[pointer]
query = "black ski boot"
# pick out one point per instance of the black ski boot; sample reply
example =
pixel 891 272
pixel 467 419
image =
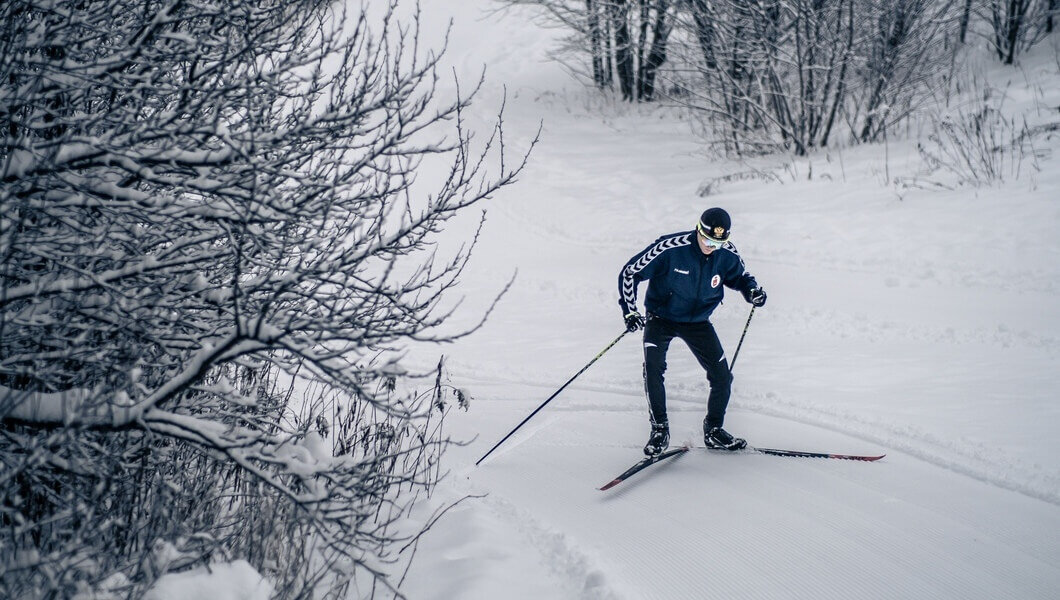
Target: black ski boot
pixel 659 440
pixel 719 439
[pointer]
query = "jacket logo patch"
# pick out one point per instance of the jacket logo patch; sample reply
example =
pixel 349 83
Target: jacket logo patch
pixel 715 281
pixel 683 272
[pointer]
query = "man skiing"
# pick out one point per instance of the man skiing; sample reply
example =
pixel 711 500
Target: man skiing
pixel 686 274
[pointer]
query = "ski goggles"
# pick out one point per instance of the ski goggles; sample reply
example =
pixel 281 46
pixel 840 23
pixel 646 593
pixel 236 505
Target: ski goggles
pixel 708 239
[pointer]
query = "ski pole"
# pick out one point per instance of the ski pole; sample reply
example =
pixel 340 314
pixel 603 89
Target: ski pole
pixel 556 393
pixel 746 325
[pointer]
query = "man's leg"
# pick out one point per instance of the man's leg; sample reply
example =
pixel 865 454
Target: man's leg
pixel 657 336
pixel 706 347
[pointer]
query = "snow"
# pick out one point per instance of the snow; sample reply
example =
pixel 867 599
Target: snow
pixel 904 318
pixel 236 580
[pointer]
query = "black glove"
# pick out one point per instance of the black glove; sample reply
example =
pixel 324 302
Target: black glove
pixel 634 321
pixel 756 296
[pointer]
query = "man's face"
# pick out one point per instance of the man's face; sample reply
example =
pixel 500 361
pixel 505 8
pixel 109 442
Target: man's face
pixel 707 245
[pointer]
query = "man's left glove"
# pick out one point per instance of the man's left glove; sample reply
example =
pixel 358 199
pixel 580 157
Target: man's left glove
pixel 634 321
pixel 756 296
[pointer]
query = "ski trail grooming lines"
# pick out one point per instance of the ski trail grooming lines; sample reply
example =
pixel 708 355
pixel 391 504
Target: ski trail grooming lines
pixel 643 464
pixel 556 393
pixel 791 453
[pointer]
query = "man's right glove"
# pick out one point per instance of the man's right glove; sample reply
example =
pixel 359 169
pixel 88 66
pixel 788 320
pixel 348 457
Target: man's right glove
pixel 634 321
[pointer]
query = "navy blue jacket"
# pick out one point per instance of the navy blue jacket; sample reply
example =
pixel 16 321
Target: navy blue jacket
pixel 684 285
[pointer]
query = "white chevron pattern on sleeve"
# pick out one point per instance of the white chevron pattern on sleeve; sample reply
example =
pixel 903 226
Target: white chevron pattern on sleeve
pixel 629 284
pixel 728 246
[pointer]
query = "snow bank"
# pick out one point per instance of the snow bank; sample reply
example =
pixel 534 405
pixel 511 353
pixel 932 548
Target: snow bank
pixel 227 581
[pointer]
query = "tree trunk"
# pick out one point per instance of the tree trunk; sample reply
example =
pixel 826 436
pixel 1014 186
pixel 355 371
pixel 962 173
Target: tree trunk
pixel 657 55
pixel 965 18
pixel 1013 21
pixel 623 49
pixel 1009 20
pixel 840 90
pixel 640 44
pixel 704 33
pixel 595 46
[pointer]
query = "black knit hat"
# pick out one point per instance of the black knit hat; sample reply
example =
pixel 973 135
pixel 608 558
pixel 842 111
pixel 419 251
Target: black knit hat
pixel 715 224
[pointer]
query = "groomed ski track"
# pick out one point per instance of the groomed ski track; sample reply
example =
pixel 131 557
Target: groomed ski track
pixel 748 525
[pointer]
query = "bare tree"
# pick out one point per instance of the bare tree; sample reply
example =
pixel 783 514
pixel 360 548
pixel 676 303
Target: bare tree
pixel 1018 24
pixel 204 205
pixel 1009 21
pixel 901 64
pixel 966 19
pixel 623 41
pixel 771 74
pixel 1014 25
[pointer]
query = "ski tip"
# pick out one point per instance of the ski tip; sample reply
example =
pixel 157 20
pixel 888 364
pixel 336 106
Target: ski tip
pixel 645 462
pixel 802 454
pixel 864 458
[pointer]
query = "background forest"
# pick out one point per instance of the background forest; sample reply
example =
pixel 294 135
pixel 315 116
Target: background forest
pixel 790 75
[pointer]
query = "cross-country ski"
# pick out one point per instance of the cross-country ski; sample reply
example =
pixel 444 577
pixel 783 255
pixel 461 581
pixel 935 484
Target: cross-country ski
pixel 643 464
pixel 801 454
pixel 651 460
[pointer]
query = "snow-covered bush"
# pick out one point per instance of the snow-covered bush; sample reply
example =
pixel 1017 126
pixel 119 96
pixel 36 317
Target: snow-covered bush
pixel 208 208
pixel 773 76
pixel 980 146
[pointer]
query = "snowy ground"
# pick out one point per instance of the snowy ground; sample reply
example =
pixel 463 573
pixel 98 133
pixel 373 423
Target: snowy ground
pixel 920 324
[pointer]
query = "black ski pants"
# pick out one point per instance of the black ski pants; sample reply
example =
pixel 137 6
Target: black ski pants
pixel 703 341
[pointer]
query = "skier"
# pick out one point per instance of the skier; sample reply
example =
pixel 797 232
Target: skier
pixel 686 273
